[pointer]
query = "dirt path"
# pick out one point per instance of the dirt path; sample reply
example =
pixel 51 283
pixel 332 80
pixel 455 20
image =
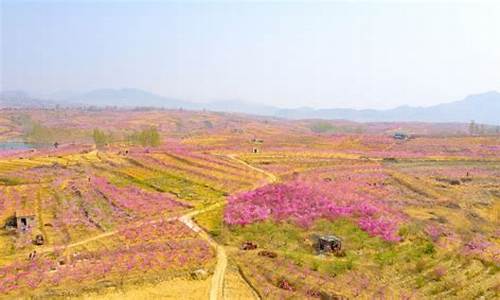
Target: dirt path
pixel 217 286
pixel 104 235
pixel 271 176
pixel 217 289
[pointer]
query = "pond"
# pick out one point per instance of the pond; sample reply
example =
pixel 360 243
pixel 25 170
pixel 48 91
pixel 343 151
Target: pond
pixel 15 145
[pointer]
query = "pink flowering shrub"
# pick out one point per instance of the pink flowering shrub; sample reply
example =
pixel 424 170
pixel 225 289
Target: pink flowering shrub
pixel 303 204
pixel 137 200
pixel 155 231
pixel 386 228
pixel 476 245
pixel 434 232
pixel 439 272
pixel 482 248
pixel 86 268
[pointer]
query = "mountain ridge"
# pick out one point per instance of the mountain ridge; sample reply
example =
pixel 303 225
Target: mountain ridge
pixel 482 107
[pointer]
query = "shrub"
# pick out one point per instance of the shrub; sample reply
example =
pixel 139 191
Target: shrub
pixel 337 267
pixel 438 273
pixel 101 138
pixel 428 248
pixel 323 127
pixel 146 137
pixel 303 204
pixel 386 257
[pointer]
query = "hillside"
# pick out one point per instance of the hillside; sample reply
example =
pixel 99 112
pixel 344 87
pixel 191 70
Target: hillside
pixel 482 108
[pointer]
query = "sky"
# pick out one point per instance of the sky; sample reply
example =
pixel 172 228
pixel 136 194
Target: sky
pixel 371 54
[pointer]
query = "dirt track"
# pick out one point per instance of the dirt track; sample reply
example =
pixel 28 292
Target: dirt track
pixel 217 287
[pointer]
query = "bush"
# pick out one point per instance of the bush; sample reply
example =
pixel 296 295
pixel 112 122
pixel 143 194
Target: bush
pixel 420 281
pixel 428 248
pixel 386 257
pixel 438 273
pixel 38 133
pixel 101 138
pixel 420 266
pixel 323 127
pixel 146 137
pixel 337 267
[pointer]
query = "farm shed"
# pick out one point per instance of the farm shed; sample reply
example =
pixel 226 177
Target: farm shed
pixel 329 243
pixel 25 220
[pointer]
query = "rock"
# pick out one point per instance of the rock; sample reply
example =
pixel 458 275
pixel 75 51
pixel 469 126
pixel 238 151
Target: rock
pixel 39 240
pixel 199 274
pixel 327 296
pixel 285 285
pixel 269 254
pixel 248 246
pixel 452 205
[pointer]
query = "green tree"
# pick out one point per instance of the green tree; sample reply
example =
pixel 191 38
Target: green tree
pixel 472 127
pixel 154 137
pixel 482 129
pixel 323 127
pixel 146 137
pixel 100 137
pixel 40 134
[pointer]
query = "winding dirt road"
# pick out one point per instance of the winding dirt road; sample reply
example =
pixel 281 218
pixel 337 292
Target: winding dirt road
pixel 271 177
pixel 217 286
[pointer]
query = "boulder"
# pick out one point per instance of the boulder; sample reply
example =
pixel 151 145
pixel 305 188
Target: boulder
pixel 199 274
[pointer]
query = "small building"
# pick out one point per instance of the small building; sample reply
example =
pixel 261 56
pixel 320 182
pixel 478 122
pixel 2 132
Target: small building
pixel 255 150
pixel 400 136
pixel 25 220
pixel 329 243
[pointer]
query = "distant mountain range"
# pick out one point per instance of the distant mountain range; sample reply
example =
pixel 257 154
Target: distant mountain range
pixel 21 99
pixel 482 108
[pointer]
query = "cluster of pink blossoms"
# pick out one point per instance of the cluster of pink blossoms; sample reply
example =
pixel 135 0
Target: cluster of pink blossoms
pixel 137 200
pixel 302 204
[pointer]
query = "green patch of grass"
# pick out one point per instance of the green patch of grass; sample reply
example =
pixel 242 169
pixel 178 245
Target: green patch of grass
pixel 353 237
pixel 283 236
pixel 184 189
pixel 10 181
pixel 420 281
pixel 336 267
pixel 417 250
pixel 386 257
pixel 415 256
pixel 212 220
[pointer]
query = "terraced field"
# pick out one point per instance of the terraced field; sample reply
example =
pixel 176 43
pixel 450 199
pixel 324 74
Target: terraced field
pixel 417 218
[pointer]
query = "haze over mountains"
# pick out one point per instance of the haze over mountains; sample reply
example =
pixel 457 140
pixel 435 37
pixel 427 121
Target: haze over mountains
pixel 482 108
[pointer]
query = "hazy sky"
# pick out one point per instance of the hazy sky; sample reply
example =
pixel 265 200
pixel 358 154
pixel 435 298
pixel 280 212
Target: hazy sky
pixel 342 54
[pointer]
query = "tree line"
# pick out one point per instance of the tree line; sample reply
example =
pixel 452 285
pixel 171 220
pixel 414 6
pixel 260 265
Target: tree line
pixel 145 137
